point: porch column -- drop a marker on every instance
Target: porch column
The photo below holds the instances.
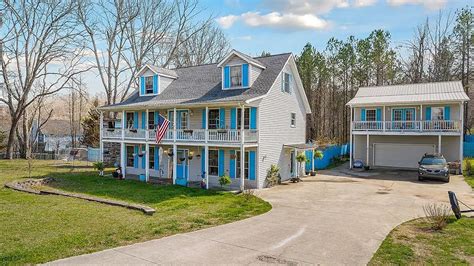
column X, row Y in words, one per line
column 123, row 158
column 174, row 125
column 175, row 162
column 350, row 142
column 124, row 124
column 383, row 119
column 295, row 163
column 206, row 165
column 242, row 149
column 147, row 160
column 101, row 123
column 312, row 160
column 461, row 134
column 439, row 144
column 206, row 134
column 367, row 148
column 421, row 117
column 147, row 134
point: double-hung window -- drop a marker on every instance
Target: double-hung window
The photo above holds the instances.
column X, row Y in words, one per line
column 236, row 76
column 129, row 120
column 437, row 113
column 370, row 115
column 214, row 118
column 151, row 120
column 287, row 82
column 246, row 165
column 149, row 85
column 151, row 155
column 246, row 118
column 130, row 158
column 213, row 162
column 293, row 120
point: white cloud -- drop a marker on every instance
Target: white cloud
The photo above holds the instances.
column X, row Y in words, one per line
column 428, row 4
column 305, row 6
column 227, row 21
column 276, row 20
column 364, row 3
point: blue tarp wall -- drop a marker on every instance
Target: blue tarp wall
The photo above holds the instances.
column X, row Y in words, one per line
column 329, row 153
column 93, row 154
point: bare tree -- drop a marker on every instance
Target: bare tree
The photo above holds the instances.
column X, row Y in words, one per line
column 40, row 44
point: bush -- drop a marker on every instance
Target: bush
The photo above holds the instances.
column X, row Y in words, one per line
column 248, row 194
column 437, row 215
column 99, row 166
column 224, row 180
column 468, row 167
column 273, row 176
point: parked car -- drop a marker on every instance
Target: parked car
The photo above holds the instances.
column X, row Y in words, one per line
column 433, row 166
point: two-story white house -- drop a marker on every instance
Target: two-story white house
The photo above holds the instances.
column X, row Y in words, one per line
column 393, row 126
column 236, row 117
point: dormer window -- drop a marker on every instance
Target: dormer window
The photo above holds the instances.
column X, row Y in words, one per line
column 236, row 76
column 149, row 85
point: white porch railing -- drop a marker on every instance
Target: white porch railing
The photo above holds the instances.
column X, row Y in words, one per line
column 408, row 126
column 195, row 135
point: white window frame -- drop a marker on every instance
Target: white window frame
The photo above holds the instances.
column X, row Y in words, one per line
column 151, row 157
column 435, row 118
column 169, row 114
column 375, row 114
column 285, row 89
column 239, row 115
column 126, row 156
column 218, row 118
column 292, row 119
column 146, row 79
column 209, row 160
column 246, row 164
column 241, row 76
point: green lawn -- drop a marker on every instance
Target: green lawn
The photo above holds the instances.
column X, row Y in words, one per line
column 414, row 242
column 36, row 229
column 469, row 178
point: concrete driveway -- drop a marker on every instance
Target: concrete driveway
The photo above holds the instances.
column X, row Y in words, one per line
column 332, row 218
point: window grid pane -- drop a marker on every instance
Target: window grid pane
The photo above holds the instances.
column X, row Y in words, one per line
column 370, row 115
column 235, row 76
column 213, row 119
column 213, row 162
column 149, row 84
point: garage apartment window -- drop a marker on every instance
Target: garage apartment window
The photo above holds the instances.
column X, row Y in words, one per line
column 437, row 113
column 370, row 115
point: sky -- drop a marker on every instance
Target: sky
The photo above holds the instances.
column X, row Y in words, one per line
column 279, row 26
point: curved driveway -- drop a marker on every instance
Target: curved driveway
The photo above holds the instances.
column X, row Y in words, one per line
column 328, row 219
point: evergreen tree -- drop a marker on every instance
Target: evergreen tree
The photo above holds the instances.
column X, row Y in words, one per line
column 91, row 126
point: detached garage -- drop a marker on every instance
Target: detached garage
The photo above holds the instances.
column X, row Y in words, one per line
column 400, row 155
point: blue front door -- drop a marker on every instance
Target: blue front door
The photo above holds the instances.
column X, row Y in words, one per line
column 182, row 170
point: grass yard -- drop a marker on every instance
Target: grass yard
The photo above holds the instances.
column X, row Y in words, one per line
column 469, row 177
column 414, row 242
column 36, row 229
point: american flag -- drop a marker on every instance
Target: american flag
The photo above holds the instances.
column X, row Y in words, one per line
column 163, row 125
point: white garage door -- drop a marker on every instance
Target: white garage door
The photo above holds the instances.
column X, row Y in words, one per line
column 400, row 155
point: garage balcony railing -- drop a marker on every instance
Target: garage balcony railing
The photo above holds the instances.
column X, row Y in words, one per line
column 408, row 126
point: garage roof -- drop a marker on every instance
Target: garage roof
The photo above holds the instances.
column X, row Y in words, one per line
column 450, row 91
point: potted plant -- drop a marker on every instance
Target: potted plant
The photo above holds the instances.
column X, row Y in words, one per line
column 100, row 167
column 140, row 154
column 300, row 158
column 190, row 155
column 133, row 130
column 224, row 180
column 170, row 152
column 221, row 130
column 317, row 155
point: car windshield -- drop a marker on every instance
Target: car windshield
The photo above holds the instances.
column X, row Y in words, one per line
column 433, row 161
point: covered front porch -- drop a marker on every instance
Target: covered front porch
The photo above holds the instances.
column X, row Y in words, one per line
column 190, row 165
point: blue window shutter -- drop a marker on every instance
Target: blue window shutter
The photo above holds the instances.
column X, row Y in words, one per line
column 135, row 158
column 362, row 114
column 203, row 118
column 155, row 84
column 252, row 165
column 428, row 113
column 245, row 75
column 221, row 162
column 144, row 157
column 232, row 165
column 226, row 77
column 447, row 113
column 157, row 115
column 157, row 158
column 222, row 117
column 233, row 118
column 135, row 119
column 142, row 85
column 379, row 114
column 203, row 160
column 253, row 117
column 143, row 120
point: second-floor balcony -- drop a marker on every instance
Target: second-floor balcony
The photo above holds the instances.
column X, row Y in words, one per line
column 408, row 126
column 184, row 135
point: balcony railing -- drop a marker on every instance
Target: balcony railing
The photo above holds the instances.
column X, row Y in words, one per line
column 408, row 126
column 183, row 135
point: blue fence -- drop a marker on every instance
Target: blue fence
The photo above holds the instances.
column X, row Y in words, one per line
column 468, row 146
column 328, row 154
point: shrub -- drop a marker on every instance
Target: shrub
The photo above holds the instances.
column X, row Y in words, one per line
column 437, row 215
column 99, row 166
column 224, row 180
column 273, row 175
column 248, row 194
column 468, row 167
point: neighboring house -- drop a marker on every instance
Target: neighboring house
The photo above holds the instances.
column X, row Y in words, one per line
column 55, row 136
column 393, row 126
column 237, row 117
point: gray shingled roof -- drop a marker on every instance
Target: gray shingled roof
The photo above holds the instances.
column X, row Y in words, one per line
column 202, row 84
column 168, row 72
